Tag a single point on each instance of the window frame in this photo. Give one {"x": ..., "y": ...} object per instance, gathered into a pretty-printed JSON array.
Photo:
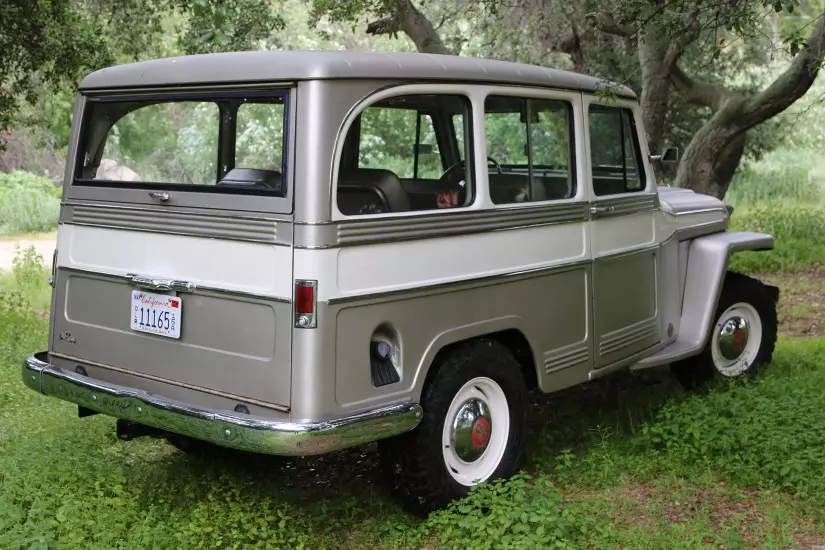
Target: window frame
[
  {"x": 352, "y": 119},
  {"x": 528, "y": 99},
  {"x": 638, "y": 141},
  {"x": 185, "y": 195}
]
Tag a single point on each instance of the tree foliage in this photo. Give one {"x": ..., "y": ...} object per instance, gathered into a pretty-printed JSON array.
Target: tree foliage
[
  {"x": 680, "y": 56},
  {"x": 44, "y": 42},
  {"x": 50, "y": 44}
]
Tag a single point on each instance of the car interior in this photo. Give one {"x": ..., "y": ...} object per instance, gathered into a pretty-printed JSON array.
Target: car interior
[{"x": 369, "y": 190}]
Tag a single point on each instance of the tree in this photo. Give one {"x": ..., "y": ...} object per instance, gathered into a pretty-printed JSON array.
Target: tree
[
  {"x": 47, "y": 41},
  {"x": 661, "y": 35},
  {"x": 52, "y": 43}
]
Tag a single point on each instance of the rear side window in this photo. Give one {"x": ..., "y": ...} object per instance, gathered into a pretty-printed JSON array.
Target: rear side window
[
  {"x": 232, "y": 144},
  {"x": 407, "y": 153},
  {"x": 530, "y": 152},
  {"x": 616, "y": 159}
]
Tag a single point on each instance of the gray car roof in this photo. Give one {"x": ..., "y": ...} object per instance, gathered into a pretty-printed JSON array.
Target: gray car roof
[{"x": 263, "y": 66}]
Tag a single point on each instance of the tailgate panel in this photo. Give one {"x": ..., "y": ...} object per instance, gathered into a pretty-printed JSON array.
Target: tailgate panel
[{"x": 230, "y": 341}]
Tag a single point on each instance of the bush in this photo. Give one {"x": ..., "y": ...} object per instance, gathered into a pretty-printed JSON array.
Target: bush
[
  {"x": 798, "y": 230},
  {"x": 28, "y": 204},
  {"x": 783, "y": 175}
]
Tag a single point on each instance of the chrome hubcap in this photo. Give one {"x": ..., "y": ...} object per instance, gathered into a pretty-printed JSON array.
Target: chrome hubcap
[
  {"x": 733, "y": 337},
  {"x": 737, "y": 338},
  {"x": 472, "y": 428}
]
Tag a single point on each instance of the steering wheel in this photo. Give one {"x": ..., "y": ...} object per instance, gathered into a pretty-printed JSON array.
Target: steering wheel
[{"x": 461, "y": 163}]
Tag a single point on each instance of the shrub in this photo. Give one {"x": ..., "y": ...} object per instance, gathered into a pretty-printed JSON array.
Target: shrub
[
  {"x": 783, "y": 175},
  {"x": 798, "y": 230},
  {"x": 28, "y": 204}
]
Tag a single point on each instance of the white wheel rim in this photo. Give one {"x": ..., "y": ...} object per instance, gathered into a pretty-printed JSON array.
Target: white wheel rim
[
  {"x": 476, "y": 430},
  {"x": 737, "y": 337}
]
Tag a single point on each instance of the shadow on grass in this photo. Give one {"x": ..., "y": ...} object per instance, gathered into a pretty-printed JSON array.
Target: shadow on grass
[{"x": 350, "y": 484}]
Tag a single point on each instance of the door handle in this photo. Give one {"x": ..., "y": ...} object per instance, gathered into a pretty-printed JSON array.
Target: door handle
[
  {"x": 601, "y": 209},
  {"x": 154, "y": 283},
  {"x": 160, "y": 195}
]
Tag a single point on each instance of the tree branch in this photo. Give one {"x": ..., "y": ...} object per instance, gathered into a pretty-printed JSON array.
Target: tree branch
[
  {"x": 688, "y": 35},
  {"x": 698, "y": 93},
  {"x": 408, "y": 19},
  {"x": 791, "y": 84},
  {"x": 607, "y": 24}
]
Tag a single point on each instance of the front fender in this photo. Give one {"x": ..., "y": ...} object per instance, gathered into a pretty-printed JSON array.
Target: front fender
[{"x": 708, "y": 259}]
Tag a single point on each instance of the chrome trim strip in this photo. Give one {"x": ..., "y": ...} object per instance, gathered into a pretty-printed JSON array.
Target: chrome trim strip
[
  {"x": 678, "y": 213},
  {"x": 225, "y": 428},
  {"x": 212, "y": 213},
  {"x": 154, "y": 220},
  {"x": 151, "y": 283},
  {"x": 427, "y": 226},
  {"x": 130, "y": 372},
  {"x": 707, "y": 228},
  {"x": 472, "y": 281},
  {"x": 623, "y": 206},
  {"x": 196, "y": 289}
]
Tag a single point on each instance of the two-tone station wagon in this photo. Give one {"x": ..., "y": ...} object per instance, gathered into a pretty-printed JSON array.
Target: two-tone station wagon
[{"x": 298, "y": 252}]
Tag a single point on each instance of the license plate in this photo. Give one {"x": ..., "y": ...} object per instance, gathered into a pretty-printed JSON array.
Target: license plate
[{"x": 156, "y": 313}]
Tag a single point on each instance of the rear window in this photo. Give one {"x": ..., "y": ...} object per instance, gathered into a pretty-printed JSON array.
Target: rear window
[{"x": 226, "y": 144}]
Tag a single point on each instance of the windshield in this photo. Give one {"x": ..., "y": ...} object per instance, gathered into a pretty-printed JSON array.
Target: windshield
[{"x": 227, "y": 144}]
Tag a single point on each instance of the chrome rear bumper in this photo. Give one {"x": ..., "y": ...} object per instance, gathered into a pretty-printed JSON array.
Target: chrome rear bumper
[{"x": 225, "y": 428}]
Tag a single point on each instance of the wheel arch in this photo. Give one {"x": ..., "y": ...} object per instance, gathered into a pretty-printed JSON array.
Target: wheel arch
[
  {"x": 508, "y": 331},
  {"x": 707, "y": 266}
]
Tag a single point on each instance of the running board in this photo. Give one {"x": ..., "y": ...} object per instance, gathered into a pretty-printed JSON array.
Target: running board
[{"x": 676, "y": 351}]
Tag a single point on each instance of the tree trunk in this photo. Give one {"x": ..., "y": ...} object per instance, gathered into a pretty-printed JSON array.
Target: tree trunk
[
  {"x": 714, "y": 153},
  {"x": 406, "y": 18},
  {"x": 656, "y": 87}
]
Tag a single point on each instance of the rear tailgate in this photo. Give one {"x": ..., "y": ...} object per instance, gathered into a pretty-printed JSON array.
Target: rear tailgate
[
  {"x": 231, "y": 333},
  {"x": 174, "y": 253}
]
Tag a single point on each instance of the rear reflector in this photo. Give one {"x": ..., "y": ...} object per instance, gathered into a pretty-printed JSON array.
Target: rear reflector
[
  {"x": 304, "y": 298},
  {"x": 305, "y": 302}
]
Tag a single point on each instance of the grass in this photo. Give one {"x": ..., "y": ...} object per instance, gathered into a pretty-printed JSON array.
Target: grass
[{"x": 28, "y": 204}]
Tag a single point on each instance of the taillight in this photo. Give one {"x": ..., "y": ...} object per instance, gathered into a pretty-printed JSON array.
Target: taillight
[{"x": 305, "y": 303}]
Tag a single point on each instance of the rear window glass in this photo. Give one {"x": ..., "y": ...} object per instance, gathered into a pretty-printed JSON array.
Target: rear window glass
[{"x": 226, "y": 144}]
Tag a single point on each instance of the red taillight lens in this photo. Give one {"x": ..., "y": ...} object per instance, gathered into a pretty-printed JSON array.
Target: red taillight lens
[{"x": 304, "y": 300}]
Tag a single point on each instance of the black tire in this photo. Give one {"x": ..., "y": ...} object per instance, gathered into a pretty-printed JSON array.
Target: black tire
[
  {"x": 414, "y": 462},
  {"x": 697, "y": 371}
]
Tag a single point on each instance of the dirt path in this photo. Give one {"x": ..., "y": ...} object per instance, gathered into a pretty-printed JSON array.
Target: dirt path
[{"x": 44, "y": 247}]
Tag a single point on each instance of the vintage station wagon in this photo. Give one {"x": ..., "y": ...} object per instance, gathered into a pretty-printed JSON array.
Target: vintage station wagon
[{"x": 297, "y": 252}]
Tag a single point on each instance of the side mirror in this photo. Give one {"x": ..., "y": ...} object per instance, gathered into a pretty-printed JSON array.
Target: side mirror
[{"x": 671, "y": 154}]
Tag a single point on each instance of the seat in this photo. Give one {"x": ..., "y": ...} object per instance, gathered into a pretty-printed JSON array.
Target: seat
[
  {"x": 371, "y": 190},
  {"x": 252, "y": 177}
]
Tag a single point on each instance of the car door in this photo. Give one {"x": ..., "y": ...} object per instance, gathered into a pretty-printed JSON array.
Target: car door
[{"x": 623, "y": 210}]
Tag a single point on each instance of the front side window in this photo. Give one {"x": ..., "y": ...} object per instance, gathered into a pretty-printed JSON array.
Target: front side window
[
  {"x": 406, "y": 154},
  {"x": 616, "y": 160},
  {"x": 529, "y": 149},
  {"x": 228, "y": 144}
]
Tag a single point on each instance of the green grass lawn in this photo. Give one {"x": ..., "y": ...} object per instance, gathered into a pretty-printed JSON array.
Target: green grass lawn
[{"x": 624, "y": 462}]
